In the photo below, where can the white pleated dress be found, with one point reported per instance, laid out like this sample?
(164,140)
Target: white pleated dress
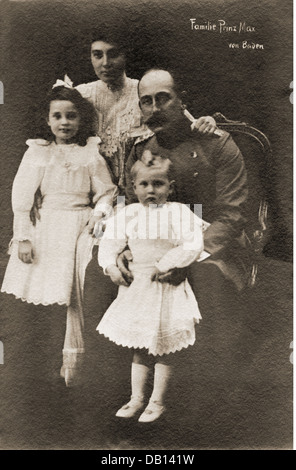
(65,174)
(148,314)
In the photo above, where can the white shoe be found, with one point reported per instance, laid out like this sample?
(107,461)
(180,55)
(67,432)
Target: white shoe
(152,412)
(131,408)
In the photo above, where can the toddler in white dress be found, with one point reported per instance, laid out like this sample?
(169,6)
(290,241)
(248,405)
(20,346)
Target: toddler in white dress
(154,318)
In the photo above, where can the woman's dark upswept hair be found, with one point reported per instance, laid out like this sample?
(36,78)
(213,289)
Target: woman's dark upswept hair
(86,110)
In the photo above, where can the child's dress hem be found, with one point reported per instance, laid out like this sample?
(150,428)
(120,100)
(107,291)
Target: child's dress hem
(36,302)
(155,352)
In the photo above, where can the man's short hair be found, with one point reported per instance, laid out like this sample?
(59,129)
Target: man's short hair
(176,76)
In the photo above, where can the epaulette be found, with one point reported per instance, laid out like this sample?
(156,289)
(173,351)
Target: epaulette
(145,136)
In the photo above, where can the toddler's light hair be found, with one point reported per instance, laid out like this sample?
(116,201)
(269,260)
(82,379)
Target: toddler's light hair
(152,163)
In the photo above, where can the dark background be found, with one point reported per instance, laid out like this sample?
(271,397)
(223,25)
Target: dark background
(42,40)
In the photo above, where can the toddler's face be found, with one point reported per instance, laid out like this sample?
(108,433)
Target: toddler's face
(63,120)
(152,186)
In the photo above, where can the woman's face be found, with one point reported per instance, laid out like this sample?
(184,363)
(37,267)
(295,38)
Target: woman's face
(108,62)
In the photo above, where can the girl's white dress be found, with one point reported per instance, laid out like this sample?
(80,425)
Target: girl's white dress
(148,314)
(66,175)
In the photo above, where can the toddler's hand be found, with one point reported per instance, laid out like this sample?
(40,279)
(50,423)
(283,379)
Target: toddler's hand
(95,219)
(205,125)
(155,274)
(123,261)
(114,272)
(25,251)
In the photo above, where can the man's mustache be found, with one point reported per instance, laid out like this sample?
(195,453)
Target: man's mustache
(156,120)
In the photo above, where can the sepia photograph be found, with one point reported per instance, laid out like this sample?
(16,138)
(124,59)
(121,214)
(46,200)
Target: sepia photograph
(146,245)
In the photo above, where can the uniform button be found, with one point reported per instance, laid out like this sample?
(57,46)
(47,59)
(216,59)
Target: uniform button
(195,174)
(193,154)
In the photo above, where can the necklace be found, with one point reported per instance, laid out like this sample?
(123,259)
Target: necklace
(63,151)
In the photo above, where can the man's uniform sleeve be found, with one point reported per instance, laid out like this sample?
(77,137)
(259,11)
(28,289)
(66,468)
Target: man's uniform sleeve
(231,197)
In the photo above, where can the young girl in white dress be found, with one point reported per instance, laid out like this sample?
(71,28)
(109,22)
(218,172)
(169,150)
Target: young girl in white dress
(154,318)
(67,168)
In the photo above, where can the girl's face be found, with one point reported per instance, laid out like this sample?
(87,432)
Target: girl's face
(63,120)
(152,186)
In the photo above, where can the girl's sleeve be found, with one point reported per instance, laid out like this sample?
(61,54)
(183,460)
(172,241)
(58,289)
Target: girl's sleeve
(104,190)
(25,184)
(114,240)
(188,231)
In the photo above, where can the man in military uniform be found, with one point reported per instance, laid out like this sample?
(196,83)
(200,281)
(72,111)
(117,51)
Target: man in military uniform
(209,171)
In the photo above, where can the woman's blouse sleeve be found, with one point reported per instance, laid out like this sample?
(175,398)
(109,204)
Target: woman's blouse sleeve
(26,182)
(188,230)
(114,240)
(104,190)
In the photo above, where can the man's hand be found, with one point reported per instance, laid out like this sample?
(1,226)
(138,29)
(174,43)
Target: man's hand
(205,125)
(116,276)
(122,262)
(174,276)
(25,251)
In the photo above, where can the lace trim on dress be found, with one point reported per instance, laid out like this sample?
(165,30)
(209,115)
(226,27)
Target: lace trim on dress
(35,301)
(162,345)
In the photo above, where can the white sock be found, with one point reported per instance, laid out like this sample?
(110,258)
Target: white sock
(139,379)
(162,374)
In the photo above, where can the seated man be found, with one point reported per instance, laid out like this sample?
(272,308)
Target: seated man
(209,171)
(210,174)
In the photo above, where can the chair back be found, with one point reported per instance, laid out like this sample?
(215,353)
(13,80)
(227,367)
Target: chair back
(257,153)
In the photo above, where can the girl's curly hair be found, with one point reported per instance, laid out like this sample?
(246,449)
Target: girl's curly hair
(85,109)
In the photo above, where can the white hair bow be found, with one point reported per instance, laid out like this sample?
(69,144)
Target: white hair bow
(67,83)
